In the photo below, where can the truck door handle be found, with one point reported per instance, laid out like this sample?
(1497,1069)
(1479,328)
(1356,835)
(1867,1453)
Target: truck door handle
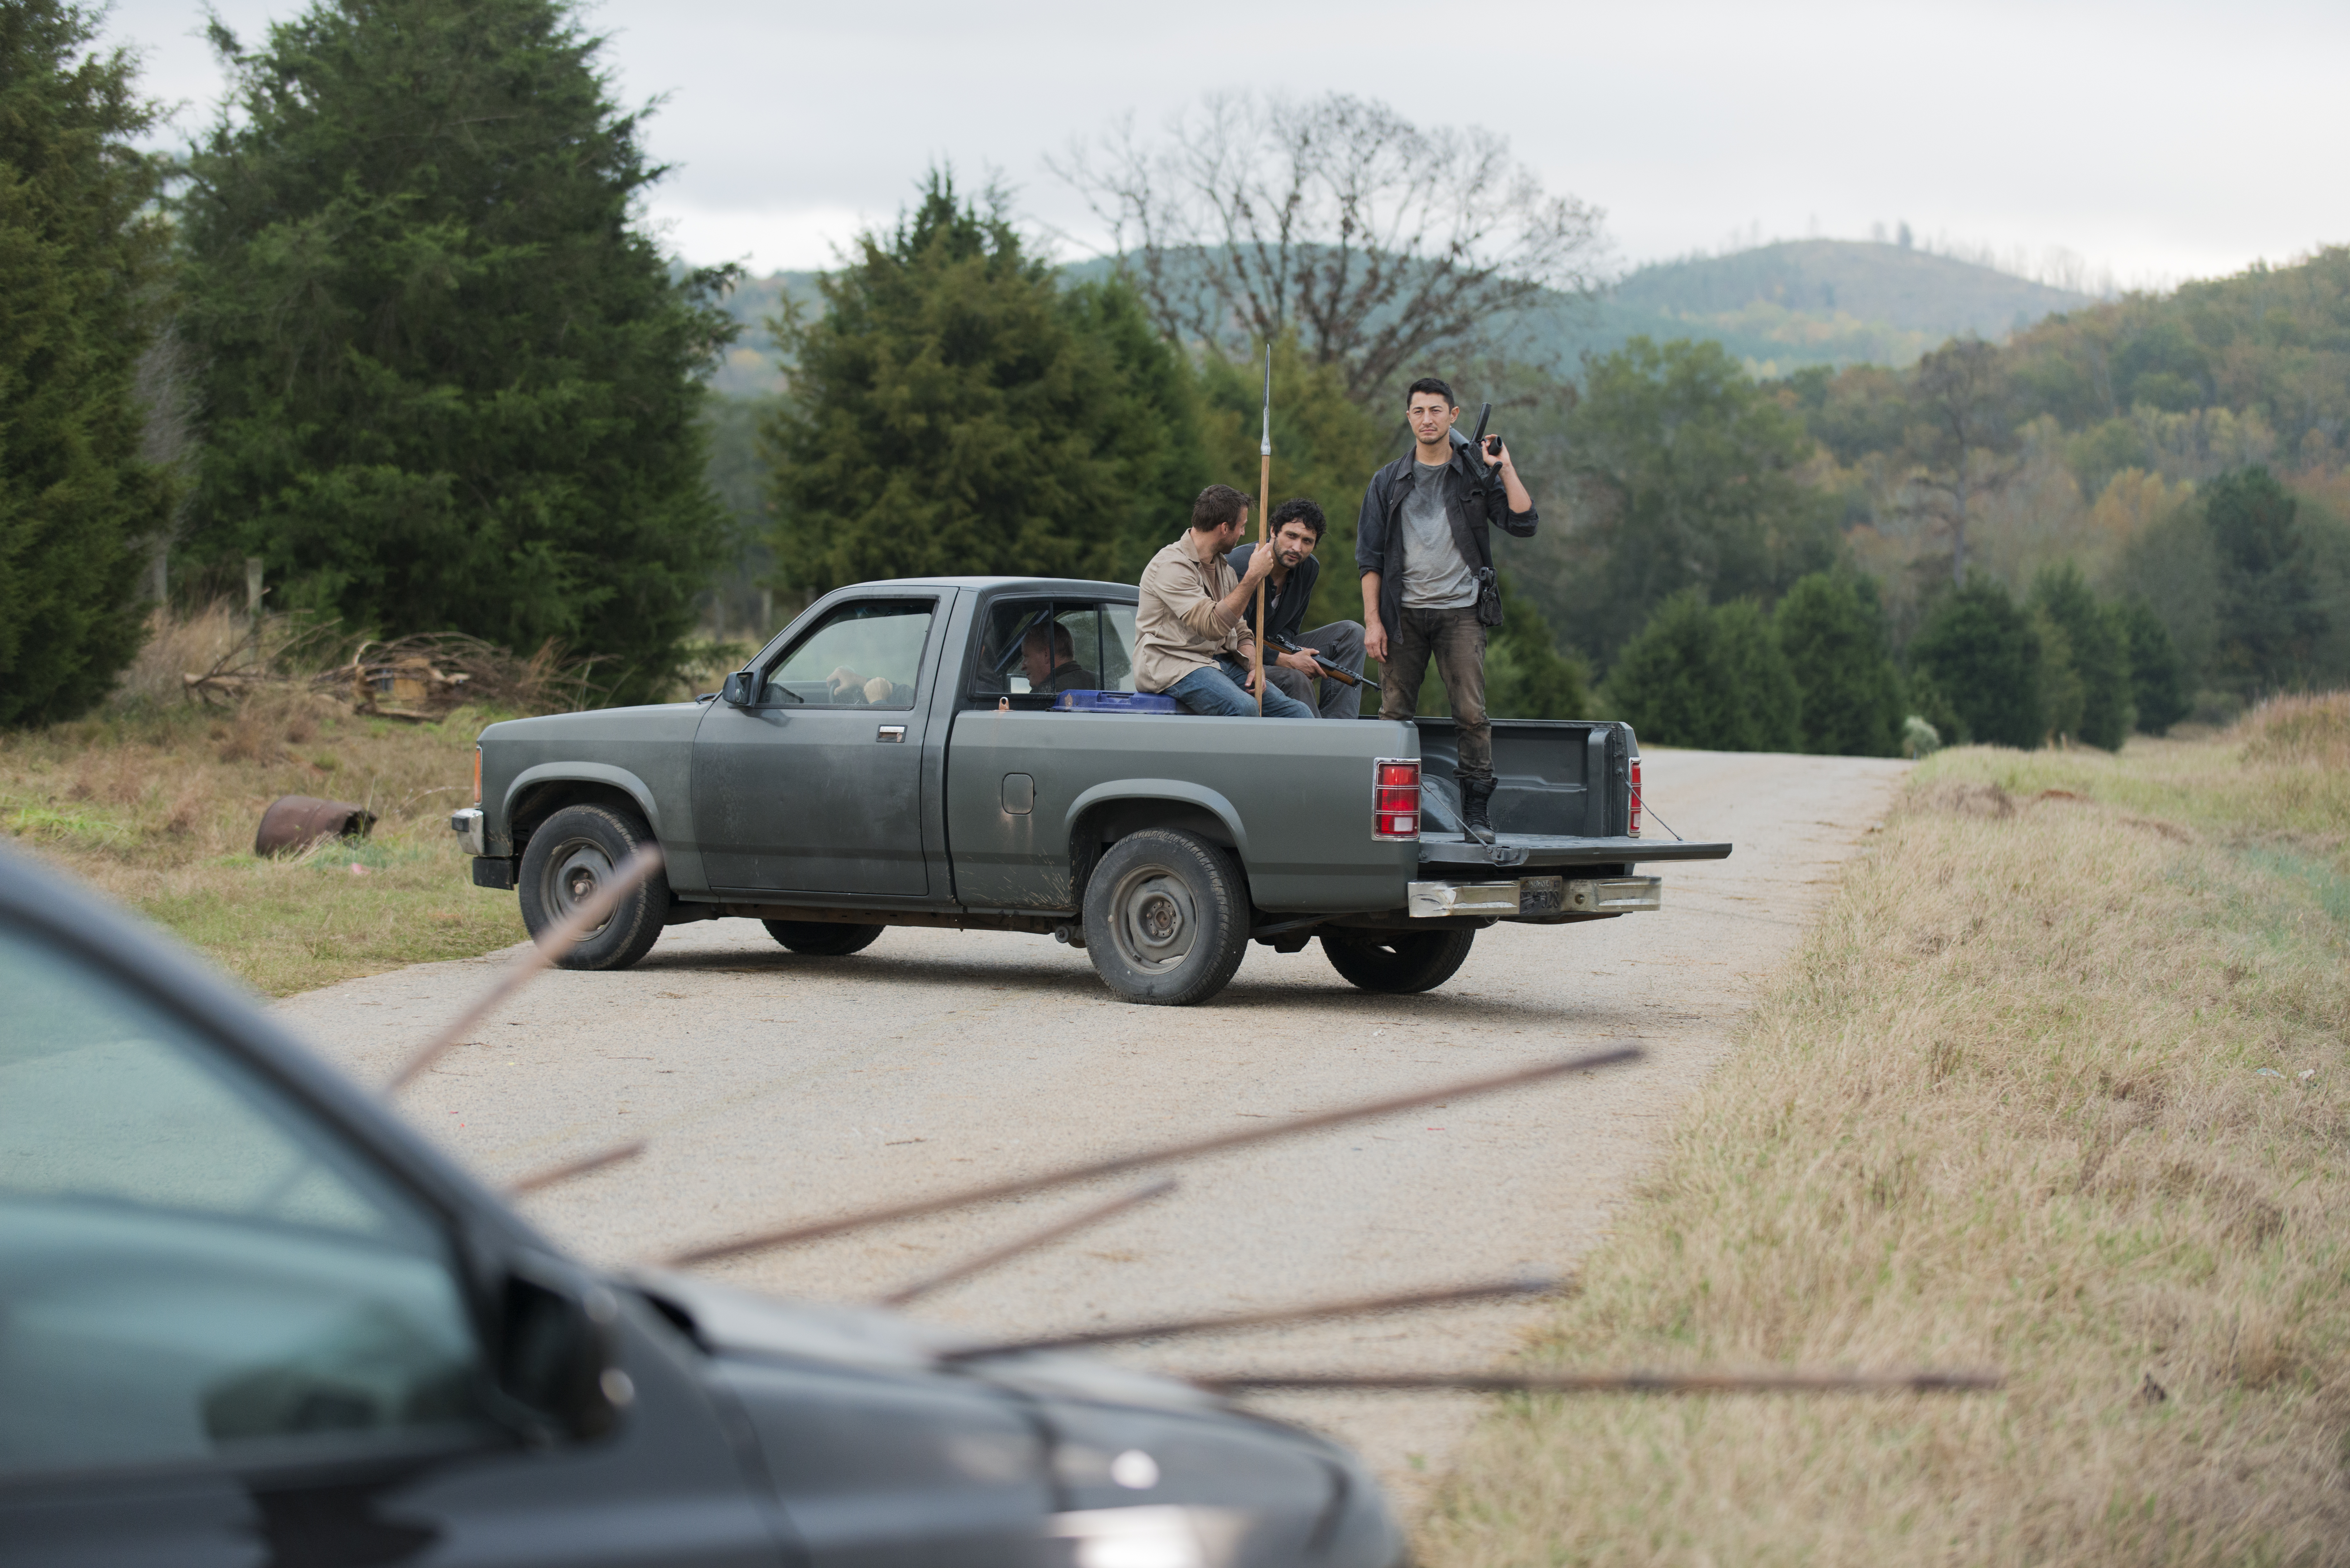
(890,732)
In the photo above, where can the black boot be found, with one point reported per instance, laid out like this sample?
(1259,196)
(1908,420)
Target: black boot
(1475,795)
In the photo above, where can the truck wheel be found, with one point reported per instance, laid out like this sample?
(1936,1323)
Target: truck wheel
(569,856)
(822,938)
(1166,917)
(1396,962)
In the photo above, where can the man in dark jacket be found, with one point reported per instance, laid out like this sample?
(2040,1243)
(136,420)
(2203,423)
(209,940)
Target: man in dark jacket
(1297,529)
(1424,546)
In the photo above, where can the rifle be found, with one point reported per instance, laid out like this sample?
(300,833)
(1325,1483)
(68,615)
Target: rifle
(1478,441)
(1343,676)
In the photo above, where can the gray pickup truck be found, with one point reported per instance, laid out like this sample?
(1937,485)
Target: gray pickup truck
(923,752)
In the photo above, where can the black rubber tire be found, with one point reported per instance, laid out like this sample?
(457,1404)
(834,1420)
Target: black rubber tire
(1398,962)
(1167,917)
(822,938)
(560,867)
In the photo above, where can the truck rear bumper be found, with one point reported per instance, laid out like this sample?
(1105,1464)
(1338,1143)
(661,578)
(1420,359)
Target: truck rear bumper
(1536,897)
(1450,856)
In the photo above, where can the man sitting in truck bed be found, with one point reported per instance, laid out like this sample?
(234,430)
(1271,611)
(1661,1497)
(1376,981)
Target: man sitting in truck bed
(1297,529)
(1188,639)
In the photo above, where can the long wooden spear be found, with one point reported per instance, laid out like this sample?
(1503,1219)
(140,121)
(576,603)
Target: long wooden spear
(1263,511)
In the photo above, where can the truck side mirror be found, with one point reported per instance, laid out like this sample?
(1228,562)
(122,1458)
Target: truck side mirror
(742,690)
(558,1350)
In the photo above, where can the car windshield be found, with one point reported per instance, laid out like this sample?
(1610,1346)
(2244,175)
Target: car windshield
(190,1264)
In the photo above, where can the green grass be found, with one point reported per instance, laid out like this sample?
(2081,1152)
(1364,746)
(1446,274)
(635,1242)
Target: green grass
(156,807)
(2058,1084)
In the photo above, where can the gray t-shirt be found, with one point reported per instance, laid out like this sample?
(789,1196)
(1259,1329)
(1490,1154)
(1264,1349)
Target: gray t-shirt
(1434,575)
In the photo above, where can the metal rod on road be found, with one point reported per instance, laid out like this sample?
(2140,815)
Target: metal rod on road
(554,1174)
(1356,1307)
(1034,1238)
(557,942)
(918,1207)
(1926,1381)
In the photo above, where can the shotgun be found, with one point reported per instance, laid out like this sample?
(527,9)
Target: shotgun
(1343,676)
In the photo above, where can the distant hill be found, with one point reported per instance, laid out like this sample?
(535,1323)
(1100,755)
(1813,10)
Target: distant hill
(1777,307)
(1781,306)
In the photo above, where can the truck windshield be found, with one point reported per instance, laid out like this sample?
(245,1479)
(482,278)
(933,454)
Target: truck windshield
(862,655)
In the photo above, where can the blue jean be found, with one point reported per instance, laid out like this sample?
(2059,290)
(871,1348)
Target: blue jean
(1222,688)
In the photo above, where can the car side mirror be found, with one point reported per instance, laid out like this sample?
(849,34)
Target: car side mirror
(741,691)
(558,1350)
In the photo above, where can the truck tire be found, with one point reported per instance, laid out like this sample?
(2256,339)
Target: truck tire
(1167,917)
(822,938)
(569,855)
(1400,962)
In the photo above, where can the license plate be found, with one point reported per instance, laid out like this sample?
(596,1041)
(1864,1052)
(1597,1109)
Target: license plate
(1541,894)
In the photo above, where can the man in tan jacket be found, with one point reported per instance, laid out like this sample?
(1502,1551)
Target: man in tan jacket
(1190,642)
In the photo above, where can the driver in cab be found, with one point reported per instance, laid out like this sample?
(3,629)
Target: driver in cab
(1049,654)
(1191,641)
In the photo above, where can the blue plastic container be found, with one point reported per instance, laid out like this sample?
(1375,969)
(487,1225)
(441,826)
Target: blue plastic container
(1114,702)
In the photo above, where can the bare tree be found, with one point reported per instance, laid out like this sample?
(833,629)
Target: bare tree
(1376,242)
(1964,435)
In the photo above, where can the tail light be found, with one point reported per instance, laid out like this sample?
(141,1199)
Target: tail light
(477,775)
(1395,798)
(1634,830)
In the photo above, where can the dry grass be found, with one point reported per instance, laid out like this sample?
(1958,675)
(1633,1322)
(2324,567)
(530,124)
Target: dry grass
(2058,1084)
(154,802)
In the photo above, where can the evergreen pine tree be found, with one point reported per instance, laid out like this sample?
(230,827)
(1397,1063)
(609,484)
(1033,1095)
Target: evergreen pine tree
(955,410)
(448,384)
(2269,615)
(81,277)
(2158,682)
(1832,632)
(1766,705)
(2095,652)
(1981,653)
(1672,682)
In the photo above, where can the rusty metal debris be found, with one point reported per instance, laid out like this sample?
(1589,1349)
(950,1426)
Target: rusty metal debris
(403,686)
(1358,1306)
(981,1262)
(560,940)
(295,822)
(812,1230)
(1923,1381)
(554,1174)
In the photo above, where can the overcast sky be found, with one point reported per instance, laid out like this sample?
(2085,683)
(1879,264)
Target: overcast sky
(2159,141)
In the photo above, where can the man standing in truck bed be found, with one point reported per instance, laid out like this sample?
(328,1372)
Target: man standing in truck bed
(1424,545)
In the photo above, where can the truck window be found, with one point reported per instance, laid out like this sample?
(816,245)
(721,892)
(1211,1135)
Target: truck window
(1040,648)
(862,655)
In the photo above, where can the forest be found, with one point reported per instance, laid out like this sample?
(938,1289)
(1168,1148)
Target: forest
(386,340)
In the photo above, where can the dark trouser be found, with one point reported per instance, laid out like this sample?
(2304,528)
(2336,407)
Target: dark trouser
(1458,642)
(1341,642)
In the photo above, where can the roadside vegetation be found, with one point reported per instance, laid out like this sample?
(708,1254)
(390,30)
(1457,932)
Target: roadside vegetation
(2058,1084)
(153,801)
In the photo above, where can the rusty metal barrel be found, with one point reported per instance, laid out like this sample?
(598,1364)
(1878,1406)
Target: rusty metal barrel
(295,822)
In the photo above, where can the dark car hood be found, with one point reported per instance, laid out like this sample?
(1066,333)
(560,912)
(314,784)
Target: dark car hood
(730,1322)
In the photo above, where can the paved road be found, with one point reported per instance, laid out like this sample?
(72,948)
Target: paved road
(775,1087)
